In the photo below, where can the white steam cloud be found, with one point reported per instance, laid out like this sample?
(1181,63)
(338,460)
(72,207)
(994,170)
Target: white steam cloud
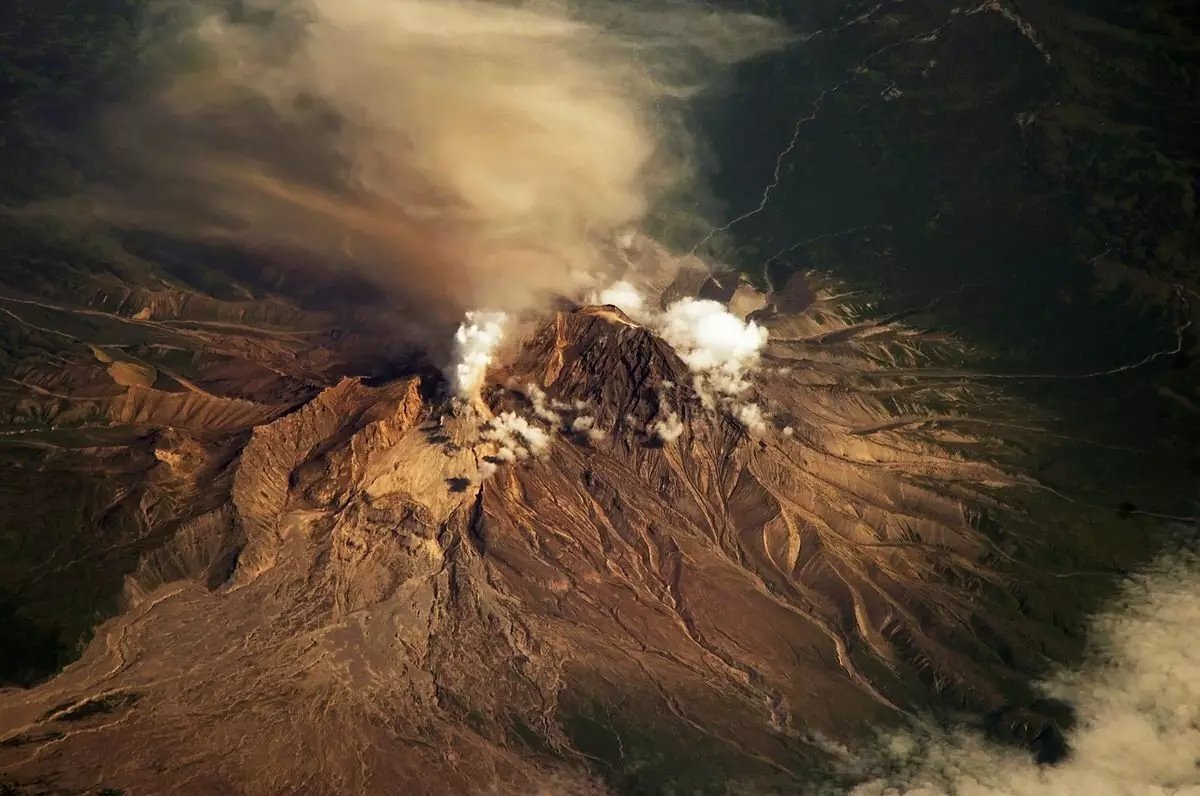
(475,345)
(515,438)
(586,425)
(717,345)
(752,417)
(623,296)
(669,428)
(543,407)
(1138,702)
(465,153)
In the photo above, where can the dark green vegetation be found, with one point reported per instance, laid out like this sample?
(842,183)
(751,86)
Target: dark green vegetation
(59,63)
(1024,175)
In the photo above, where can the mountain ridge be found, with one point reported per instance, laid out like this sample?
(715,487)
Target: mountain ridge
(368,576)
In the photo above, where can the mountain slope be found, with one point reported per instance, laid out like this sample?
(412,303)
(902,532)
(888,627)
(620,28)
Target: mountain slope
(373,592)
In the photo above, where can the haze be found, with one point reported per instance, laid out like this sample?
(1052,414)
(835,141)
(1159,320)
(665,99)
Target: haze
(470,153)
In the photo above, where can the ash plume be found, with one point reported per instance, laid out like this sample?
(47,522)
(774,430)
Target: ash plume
(475,344)
(463,153)
(624,296)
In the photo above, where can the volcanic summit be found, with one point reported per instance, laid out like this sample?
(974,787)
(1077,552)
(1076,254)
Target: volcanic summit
(627,589)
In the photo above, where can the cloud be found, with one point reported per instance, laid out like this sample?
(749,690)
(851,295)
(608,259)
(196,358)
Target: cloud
(721,350)
(586,424)
(751,416)
(714,343)
(542,406)
(718,347)
(669,428)
(475,345)
(1138,702)
(485,471)
(464,152)
(515,437)
(624,296)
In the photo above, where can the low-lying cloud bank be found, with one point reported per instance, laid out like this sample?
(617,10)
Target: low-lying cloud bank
(1138,702)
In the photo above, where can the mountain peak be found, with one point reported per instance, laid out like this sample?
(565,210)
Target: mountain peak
(397,567)
(597,356)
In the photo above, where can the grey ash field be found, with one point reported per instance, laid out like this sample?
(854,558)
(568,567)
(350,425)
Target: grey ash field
(244,548)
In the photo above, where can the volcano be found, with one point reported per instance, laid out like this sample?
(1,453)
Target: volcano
(360,591)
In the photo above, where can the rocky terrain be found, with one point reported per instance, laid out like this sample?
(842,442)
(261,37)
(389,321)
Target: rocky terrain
(338,583)
(250,543)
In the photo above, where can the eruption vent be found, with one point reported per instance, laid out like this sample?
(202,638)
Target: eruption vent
(719,348)
(624,296)
(475,345)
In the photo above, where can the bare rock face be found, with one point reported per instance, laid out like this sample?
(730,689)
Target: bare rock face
(344,604)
